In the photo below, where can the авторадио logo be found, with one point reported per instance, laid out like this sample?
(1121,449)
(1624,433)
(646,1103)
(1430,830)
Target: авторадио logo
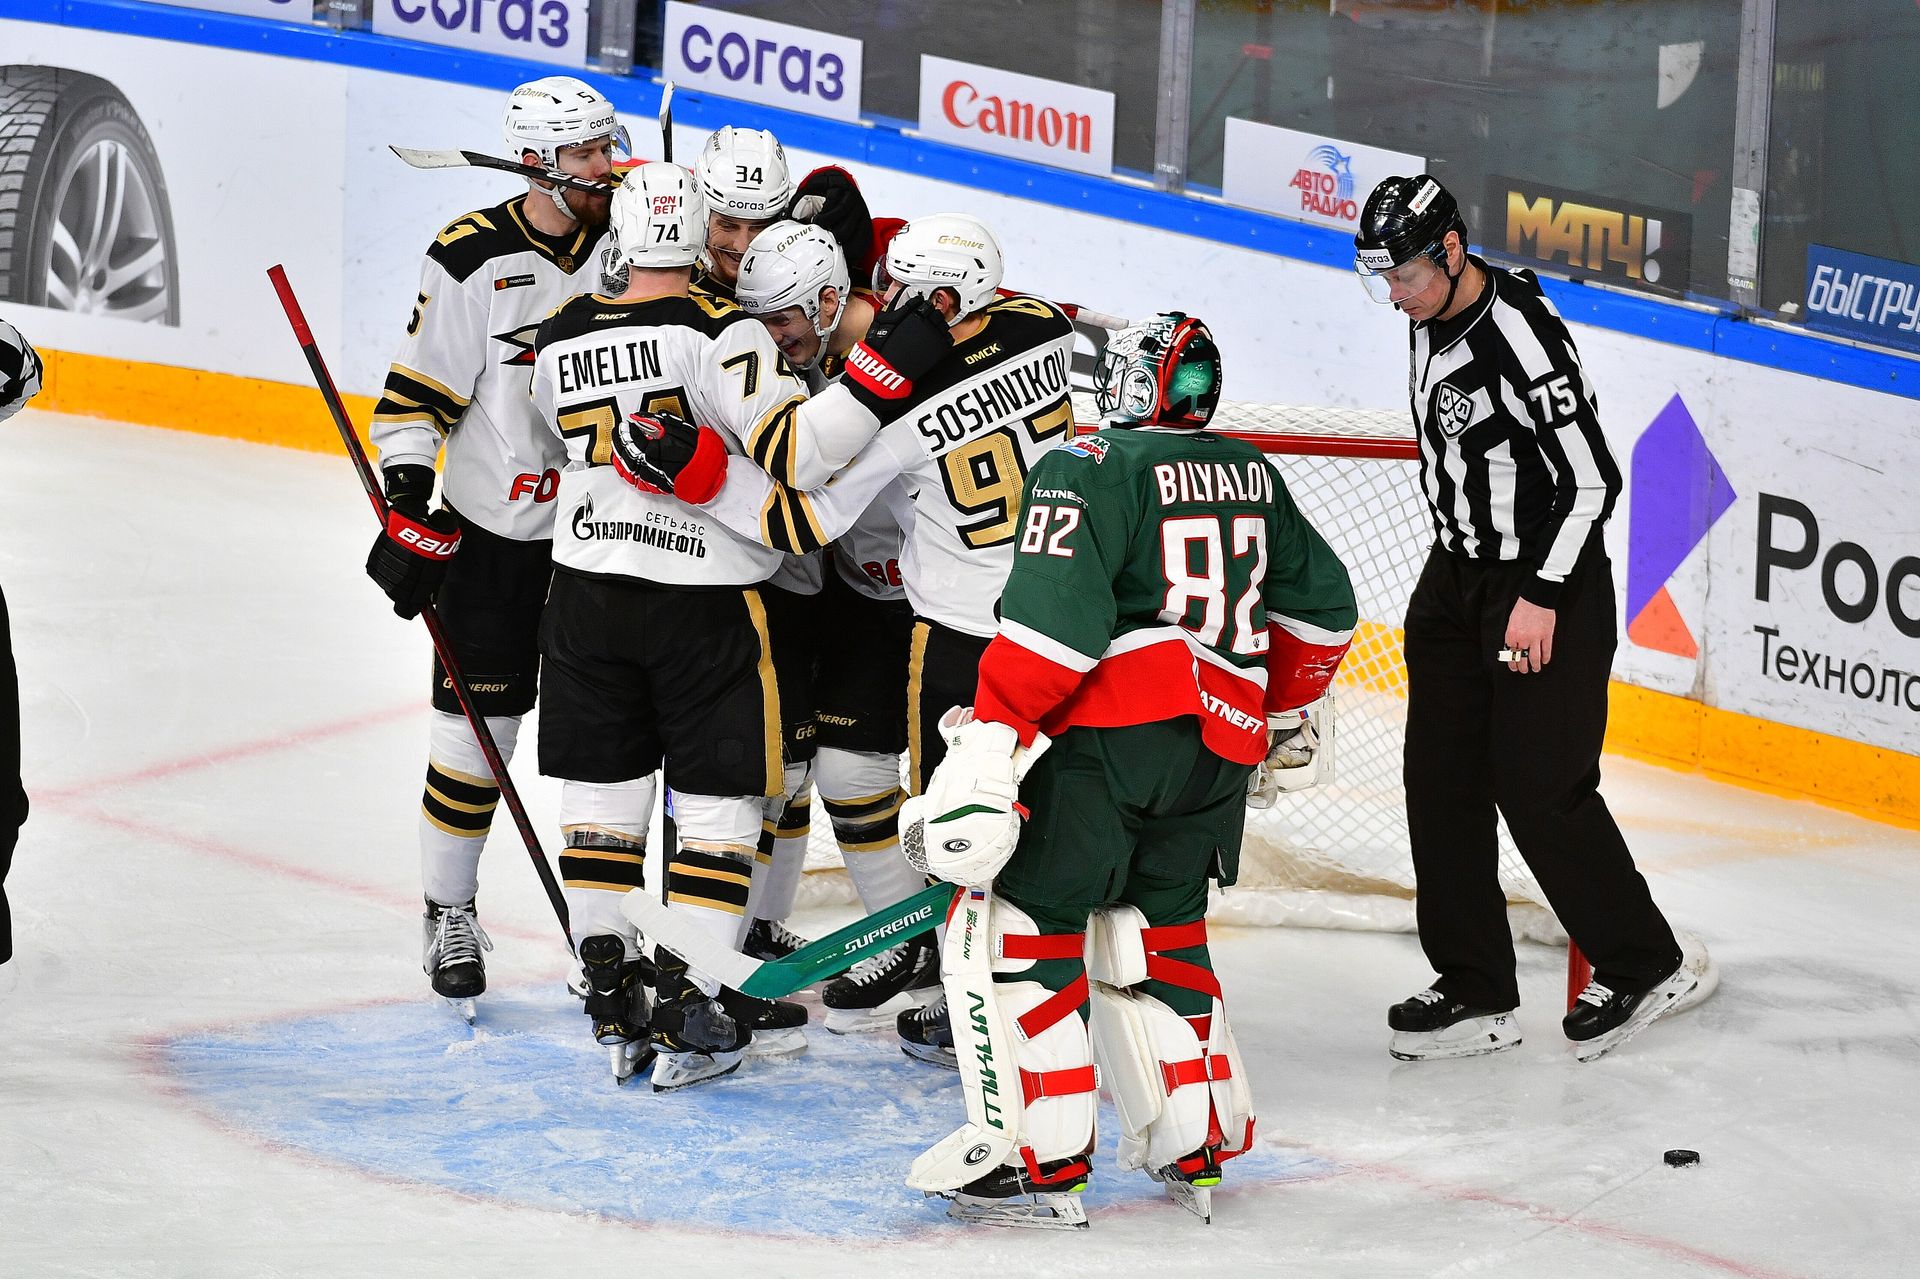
(1679,491)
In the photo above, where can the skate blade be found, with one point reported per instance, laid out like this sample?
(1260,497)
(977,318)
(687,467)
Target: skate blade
(777,1043)
(854,1021)
(465,1008)
(932,1056)
(1021,1212)
(1669,998)
(629,1059)
(682,1070)
(1197,1200)
(1475,1037)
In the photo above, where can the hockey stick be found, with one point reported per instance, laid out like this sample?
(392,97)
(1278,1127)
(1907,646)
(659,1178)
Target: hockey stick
(772,978)
(666,123)
(424,159)
(496,763)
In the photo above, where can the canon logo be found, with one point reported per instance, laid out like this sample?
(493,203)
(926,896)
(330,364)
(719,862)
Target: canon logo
(965,107)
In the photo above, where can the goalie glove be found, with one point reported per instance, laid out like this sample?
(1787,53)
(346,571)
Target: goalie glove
(661,453)
(965,827)
(1299,753)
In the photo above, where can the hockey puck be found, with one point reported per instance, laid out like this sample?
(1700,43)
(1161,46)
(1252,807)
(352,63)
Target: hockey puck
(1682,1158)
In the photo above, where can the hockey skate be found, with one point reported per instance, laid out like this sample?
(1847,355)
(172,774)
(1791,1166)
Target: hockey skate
(1189,1182)
(1431,1027)
(693,1036)
(1008,1196)
(769,939)
(617,1002)
(777,1025)
(876,990)
(1602,1018)
(451,945)
(926,1035)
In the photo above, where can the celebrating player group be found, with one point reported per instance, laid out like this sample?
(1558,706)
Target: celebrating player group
(750,530)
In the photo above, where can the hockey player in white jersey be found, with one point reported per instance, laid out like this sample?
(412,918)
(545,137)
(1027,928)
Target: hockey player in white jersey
(459,386)
(962,435)
(794,279)
(747,186)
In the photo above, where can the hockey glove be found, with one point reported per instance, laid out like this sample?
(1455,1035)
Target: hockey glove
(904,342)
(410,558)
(661,453)
(831,200)
(1299,753)
(965,827)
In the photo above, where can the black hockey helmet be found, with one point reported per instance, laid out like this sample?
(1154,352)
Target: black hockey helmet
(1404,219)
(1162,372)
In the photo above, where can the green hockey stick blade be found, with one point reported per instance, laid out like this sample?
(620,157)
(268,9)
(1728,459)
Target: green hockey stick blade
(841,950)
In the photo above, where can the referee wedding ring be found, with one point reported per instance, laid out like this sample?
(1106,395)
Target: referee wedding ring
(1512,654)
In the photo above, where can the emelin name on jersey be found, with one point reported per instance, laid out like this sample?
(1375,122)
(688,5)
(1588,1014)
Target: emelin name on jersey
(603,366)
(1182,482)
(1009,394)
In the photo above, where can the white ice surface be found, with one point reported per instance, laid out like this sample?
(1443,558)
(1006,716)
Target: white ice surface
(218,1055)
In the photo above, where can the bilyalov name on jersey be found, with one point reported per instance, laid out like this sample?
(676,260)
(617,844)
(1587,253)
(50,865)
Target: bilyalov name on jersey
(603,366)
(1213,482)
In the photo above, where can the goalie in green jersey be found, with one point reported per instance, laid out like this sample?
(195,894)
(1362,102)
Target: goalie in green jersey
(1167,634)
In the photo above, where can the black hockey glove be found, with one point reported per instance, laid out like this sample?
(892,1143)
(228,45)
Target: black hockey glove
(410,558)
(661,453)
(831,200)
(904,342)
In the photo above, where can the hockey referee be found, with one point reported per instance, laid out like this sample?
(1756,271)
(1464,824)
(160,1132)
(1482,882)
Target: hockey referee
(1509,640)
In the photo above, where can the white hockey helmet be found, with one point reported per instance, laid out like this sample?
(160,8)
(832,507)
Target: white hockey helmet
(944,250)
(560,111)
(743,174)
(658,220)
(789,264)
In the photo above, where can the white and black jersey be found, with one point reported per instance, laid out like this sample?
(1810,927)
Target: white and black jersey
(20,371)
(1512,458)
(463,371)
(950,467)
(596,361)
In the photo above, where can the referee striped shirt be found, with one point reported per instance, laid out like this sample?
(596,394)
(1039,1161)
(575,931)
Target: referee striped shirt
(1512,458)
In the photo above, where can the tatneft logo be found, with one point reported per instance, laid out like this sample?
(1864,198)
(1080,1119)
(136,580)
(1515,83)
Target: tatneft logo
(1679,493)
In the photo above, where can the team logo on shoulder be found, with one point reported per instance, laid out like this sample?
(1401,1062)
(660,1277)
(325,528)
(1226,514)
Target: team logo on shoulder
(1454,408)
(1092,446)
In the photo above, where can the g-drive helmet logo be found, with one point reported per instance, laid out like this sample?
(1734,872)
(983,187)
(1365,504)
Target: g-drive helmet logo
(1679,493)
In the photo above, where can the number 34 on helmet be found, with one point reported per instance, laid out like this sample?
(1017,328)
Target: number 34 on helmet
(1163,372)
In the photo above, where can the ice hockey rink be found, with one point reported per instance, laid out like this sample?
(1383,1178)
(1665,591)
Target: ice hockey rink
(218,1055)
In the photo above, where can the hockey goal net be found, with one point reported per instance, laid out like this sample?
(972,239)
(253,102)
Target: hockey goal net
(1335,856)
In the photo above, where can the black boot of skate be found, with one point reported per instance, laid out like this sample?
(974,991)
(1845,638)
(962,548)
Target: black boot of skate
(452,946)
(696,1039)
(876,990)
(617,1002)
(926,1035)
(1042,1198)
(770,939)
(1430,1026)
(778,1025)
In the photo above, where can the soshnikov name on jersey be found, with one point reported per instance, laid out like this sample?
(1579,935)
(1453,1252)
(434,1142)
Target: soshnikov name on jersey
(602,366)
(1213,482)
(588,529)
(1005,397)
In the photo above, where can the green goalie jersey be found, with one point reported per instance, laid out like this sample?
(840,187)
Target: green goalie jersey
(1162,572)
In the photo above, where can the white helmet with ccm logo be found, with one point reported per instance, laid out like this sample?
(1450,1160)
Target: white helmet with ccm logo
(944,251)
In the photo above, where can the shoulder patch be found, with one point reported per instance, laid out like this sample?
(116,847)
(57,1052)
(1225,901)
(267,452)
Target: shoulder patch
(1088,446)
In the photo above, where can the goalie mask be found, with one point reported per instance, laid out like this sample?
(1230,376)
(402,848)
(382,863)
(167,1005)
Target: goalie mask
(1165,372)
(559,111)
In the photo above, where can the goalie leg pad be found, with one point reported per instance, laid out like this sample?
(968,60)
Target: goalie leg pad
(1178,1082)
(1026,1063)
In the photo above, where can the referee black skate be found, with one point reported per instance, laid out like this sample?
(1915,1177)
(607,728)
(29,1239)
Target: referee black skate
(1510,637)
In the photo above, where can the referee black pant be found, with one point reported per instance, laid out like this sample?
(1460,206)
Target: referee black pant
(1480,736)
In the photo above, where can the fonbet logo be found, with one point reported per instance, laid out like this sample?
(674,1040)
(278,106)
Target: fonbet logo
(1679,493)
(1325,184)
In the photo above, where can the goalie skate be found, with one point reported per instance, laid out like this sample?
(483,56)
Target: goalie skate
(1192,1191)
(1006,1197)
